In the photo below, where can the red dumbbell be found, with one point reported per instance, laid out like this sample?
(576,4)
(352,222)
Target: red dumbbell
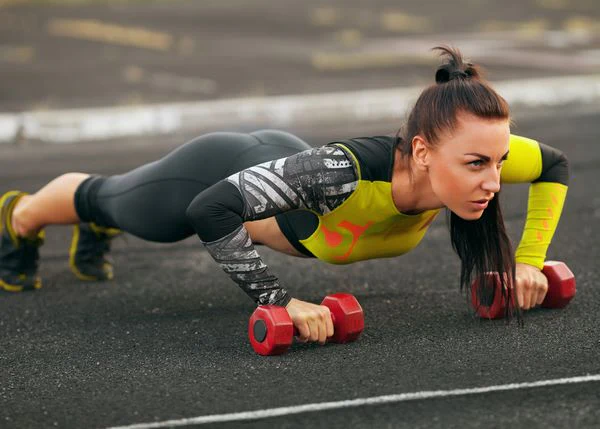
(561,289)
(271,330)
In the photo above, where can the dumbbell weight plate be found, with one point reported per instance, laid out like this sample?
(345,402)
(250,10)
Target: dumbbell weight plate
(348,316)
(274,319)
(558,273)
(496,309)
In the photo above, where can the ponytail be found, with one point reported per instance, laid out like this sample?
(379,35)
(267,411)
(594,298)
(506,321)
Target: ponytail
(482,245)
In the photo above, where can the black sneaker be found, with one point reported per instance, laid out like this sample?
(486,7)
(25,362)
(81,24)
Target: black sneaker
(88,255)
(18,255)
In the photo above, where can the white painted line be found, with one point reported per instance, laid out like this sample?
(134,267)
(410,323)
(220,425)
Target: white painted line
(91,29)
(73,126)
(375,400)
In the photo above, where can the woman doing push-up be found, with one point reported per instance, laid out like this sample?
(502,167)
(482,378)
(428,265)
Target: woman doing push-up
(346,201)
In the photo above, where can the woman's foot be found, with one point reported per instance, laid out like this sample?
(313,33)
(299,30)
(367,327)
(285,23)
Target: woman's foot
(88,255)
(18,255)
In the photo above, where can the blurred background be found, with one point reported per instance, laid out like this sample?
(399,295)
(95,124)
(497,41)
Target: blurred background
(65,54)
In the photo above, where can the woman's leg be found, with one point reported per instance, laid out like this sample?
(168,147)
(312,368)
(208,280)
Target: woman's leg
(51,205)
(22,220)
(149,201)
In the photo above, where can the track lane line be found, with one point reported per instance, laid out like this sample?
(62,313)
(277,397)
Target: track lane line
(359,402)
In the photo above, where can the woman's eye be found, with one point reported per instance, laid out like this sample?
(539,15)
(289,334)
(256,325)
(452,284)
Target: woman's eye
(481,162)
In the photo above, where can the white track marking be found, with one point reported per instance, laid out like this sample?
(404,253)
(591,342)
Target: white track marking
(375,400)
(91,29)
(78,125)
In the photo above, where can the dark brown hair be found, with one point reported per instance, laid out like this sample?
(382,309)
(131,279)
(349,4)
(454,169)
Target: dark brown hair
(483,244)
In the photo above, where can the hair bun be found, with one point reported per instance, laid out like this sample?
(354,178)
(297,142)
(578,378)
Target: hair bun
(454,67)
(447,72)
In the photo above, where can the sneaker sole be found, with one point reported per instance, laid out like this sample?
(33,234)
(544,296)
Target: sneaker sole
(16,289)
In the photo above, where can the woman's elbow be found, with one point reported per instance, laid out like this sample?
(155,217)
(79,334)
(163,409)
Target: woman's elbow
(211,217)
(555,166)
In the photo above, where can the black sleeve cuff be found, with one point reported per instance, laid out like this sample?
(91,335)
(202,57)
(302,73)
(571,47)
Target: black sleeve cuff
(284,300)
(555,166)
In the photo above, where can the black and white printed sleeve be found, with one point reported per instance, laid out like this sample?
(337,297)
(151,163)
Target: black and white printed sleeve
(318,179)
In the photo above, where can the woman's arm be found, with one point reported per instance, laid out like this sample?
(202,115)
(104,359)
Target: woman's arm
(318,179)
(547,169)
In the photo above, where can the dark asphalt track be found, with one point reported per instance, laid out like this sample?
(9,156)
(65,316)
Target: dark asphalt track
(167,338)
(64,53)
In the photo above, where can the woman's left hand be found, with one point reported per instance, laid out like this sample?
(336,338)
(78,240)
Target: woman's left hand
(532,286)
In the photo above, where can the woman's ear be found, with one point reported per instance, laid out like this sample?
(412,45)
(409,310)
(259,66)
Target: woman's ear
(421,153)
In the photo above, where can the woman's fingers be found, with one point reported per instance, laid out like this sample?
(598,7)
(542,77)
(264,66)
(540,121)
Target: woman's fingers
(540,297)
(328,324)
(527,297)
(312,321)
(531,293)
(532,286)
(323,328)
(303,332)
(519,292)
(314,329)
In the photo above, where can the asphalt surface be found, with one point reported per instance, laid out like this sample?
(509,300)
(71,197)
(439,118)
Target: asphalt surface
(166,339)
(83,53)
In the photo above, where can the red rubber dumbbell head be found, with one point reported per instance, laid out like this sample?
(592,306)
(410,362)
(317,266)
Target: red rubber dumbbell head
(270,330)
(561,284)
(348,317)
(489,308)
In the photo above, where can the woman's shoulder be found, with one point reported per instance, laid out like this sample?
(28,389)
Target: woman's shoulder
(374,154)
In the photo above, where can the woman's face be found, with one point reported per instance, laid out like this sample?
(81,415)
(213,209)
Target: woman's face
(464,168)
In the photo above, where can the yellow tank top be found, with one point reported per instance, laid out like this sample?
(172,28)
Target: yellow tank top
(367,225)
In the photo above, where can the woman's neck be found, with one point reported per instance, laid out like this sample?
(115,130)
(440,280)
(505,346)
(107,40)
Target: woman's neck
(414,196)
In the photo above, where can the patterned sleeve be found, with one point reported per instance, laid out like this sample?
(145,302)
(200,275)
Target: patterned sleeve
(318,179)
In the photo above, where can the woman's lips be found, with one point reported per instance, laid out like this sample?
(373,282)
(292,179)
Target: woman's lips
(481,204)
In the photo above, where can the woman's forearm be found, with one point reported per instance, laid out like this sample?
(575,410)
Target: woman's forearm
(544,208)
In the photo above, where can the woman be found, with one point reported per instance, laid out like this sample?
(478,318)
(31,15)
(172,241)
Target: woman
(343,202)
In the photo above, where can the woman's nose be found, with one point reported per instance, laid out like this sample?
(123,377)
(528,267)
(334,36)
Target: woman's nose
(492,181)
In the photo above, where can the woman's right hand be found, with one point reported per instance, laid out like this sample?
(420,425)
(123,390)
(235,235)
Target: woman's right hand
(312,321)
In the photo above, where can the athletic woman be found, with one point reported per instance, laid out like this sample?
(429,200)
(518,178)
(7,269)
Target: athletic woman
(343,202)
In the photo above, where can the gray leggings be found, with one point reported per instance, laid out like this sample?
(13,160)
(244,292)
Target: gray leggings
(150,201)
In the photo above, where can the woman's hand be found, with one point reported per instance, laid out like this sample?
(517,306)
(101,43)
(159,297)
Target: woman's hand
(532,286)
(312,321)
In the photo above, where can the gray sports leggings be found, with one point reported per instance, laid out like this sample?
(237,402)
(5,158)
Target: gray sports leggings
(150,201)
